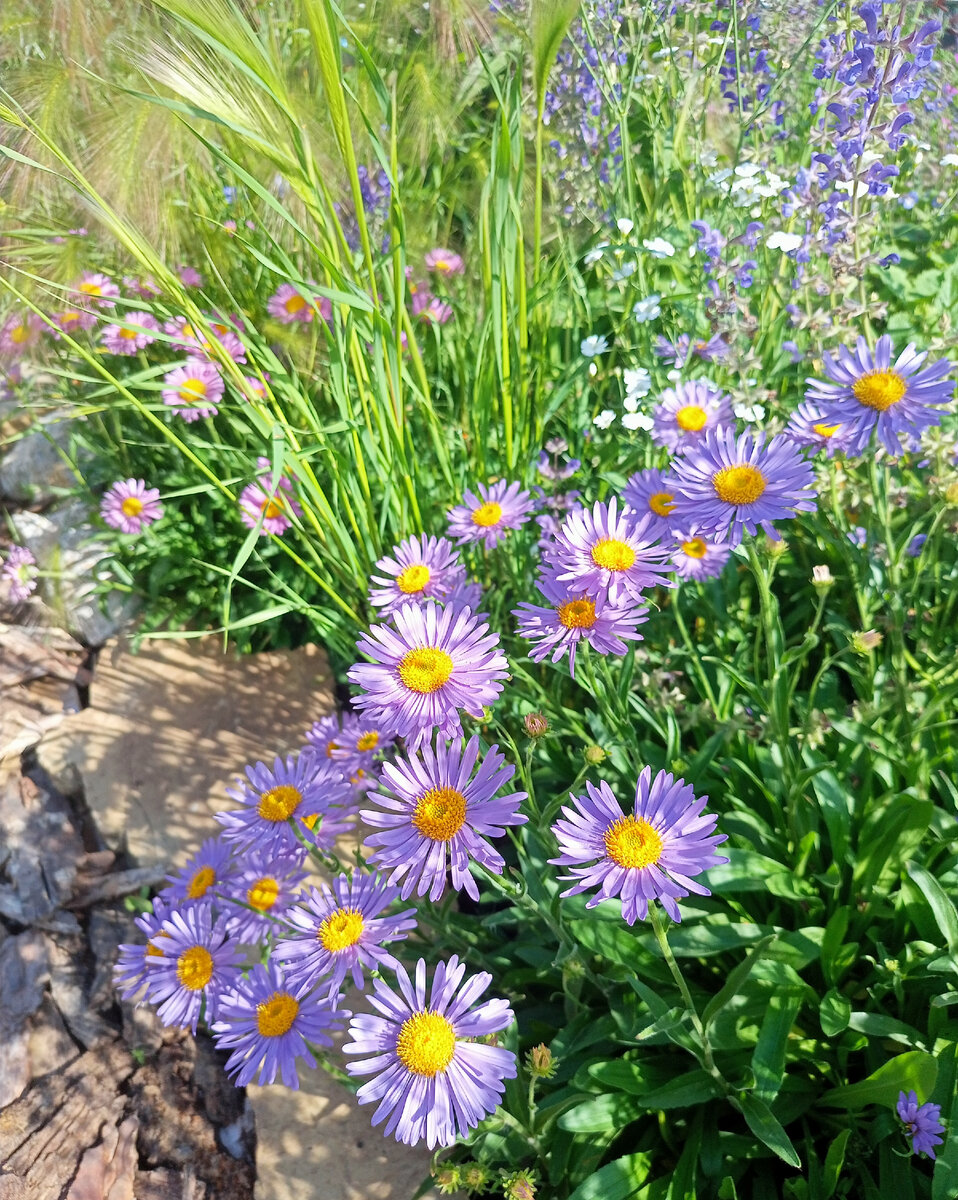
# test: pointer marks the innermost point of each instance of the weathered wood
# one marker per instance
(107, 1170)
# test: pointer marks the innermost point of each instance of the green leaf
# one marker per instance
(550, 22)
(767, 1129)
(945, 914)
(736, 978)
(638, 1077)
(834, 1161)
(914, 1071)
(601, 1114)
(616, 1180)
(768, 1059)
(944, 1183)
(833, 1012)
(879, 1026)
(695, 1087)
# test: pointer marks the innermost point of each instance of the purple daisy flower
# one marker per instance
(304, 788)
(289, 306)
(434, 805)
(340, 931)
(572, 618)
(323, 736)
(647, 495)
(359, 744)
(269, 511)
(259, 895)
(189, 276)
(488, 516)
(870, 392)
(130, 506)
(436, 312)
(18, 332)
(98, 289)
(71, 321)
(134, 334)
(608, 552)
(687, 412)
(197, 964)
(20, 569)
(696, 558)
(269, 1024)
(205, 873)
(729, 484)
(444, 262)
(193, 389)
(429, 664)
(129, 974)
(420, 568)
(808, 428)
(922, 1123)
(466, 594)
(431, 1083)
(650, 855)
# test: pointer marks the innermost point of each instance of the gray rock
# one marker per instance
(35, 468)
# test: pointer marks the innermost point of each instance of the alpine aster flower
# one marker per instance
(808, 428)
(427, 665)
(340, 931)
(647, 494)
(269, 511)
(135, 333)
(686, 413)
(196, 964)
(359, 743)
(129, 974)
(696, 558)
(193, 389)
(490, 515)
(608, 552)
(869, 393)
(269, 1024)
(323, 736)
(573, 617)
(130, 506)
(205, 873)
(71, 321)
(18, 332)
(97, 289)
(922, 1123)
(183, 335)
(420, 568)
(288, 305)
(20, 569)
(258, 894)
(728, 485)
(304, 788)
(651, 854)
(435, 804)
(444, 262)
(434, 1077)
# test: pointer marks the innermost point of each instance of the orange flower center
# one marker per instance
(341, 929)
(368, 741)
(294, 304)
(263, 894)
(879, 389)
(279, 803)
(201, 883)
(577, 614)
(696, 548)
(194, 968)
(440, 813)
(275, 1016)
(739, 485)
(425, 670)
(632, 842)
(661, 503)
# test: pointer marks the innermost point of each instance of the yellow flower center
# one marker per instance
(826, 431)
(632, 842)
(19, 334)
(426, 1043)
(201, 883)
(271, 508)
(132, 506)
(695, 548)
(152, 950)
(279, 803)
(294, 304)
(187, 332)
(879, 389)
(425, 670)
(192, 389)
(440, 813)
(341, 929)
(442, 265)
(310, 821)
(129, 334)
(691, 418)
(661, 503)
(275, 1016)
(413, 579)
(577, 614)
(91, 289)
(194, 968)
(487, 514)
(738, 485)
(368, 741)
(613, 555)
(68, 318)
(263, 894)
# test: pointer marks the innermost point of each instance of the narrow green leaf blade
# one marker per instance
(767, 1129)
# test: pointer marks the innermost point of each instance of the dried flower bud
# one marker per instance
(822, 578)
(473, 1176)
(594, 755)
(518, 1185)
(536, 724)
(865, 641)
(541, 1063)
(447, 1178)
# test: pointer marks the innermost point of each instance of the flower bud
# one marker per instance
(473, 1176)
(951, 493)
(594, 755)
(865, 641)
(518, 1185)
(822, 578)
(540, 1062)
(775, 547)
(448, 1178)
(536, 724)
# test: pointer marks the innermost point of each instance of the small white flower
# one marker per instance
(604, 419)
(708, 158)
(638, 381)
(593, 255)
(593, 370)
(637, 420)
(595, 343)
(950, 160)
(659, 247)
(624, 271)
(747, 170)
(624, 225)
(750, 413)
(647, 309)
(720, 175)
(673, 375)
(780, 240)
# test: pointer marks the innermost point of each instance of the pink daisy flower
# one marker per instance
(19, 332)
(129, 505)
(193, 389)
(98, 289)
(288, 305)
(445, 262)
(436, 312)
(257, 504)
(133, 335)
(71, 321)
(189, 276)
(21, 570)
